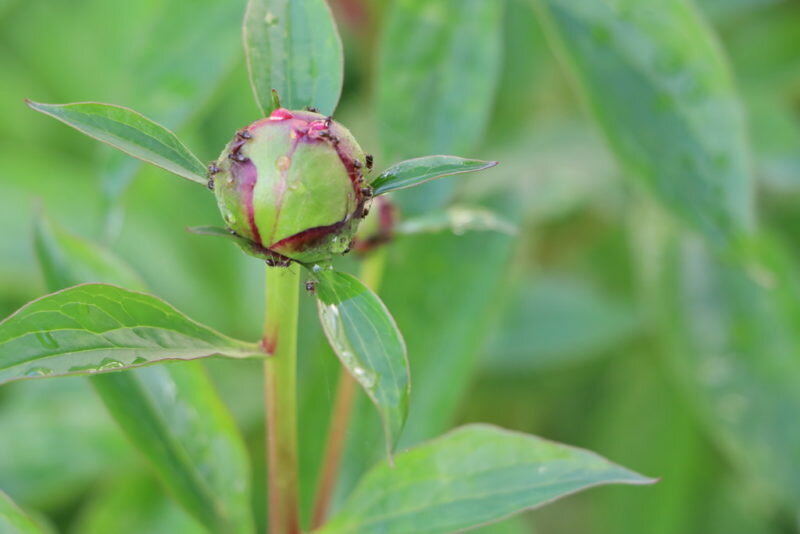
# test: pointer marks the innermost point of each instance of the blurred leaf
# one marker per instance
(734, 335)
(34, 416)
(437, 71)
(365, 337)
(417, 171)
(93, 328)
(67, 260)
(472, 475)
(661, 90)
(130, 132)
(294, 48)
(457, 219)
(174, 416)
(133, 504)
(171, 413)
(13, 520)
(554, 320)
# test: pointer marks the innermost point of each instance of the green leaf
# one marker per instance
(557, 320)
(417, 171)
(457, 219)
(656, 80)
(93, 328)
(130, 132)
(366, 339)
(437, 71)
(67, 260)
(170, 412)
(13, 520)
(249, 247)
(473, 475)
(295, 49)
(733, 333)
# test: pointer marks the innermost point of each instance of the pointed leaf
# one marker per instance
(295, 49)
(130, 132)
(170, 412)
(420, 170)
(93, 328)
(249, 247)
(473, 475)
(13, 520)
(457, 219)
(661, 89)
(366, 339)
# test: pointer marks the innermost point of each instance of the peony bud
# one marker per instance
(293, 185)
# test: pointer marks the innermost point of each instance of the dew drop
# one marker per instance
(107, 364)
(364, 377)
(270, 19)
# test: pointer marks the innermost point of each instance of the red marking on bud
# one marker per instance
(245, 174)
(281, 114)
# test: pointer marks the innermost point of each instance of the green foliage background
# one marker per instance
(574, 330)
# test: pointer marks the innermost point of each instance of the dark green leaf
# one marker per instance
(474, 475)
(437, 71)
(170, 412)
(13, 520)
(93, 328)
(660, 87)
(366, 339)
(130, 132)
(457, 219)
(417, 171)
(295, 49)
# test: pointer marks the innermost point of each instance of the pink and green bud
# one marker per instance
(293, 184)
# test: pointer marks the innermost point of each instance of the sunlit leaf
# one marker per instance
(471, 476)
(13, 520)
(417, 171)
(295, 49)
(365, 337)
(93, 328)
(660, 87)
(170, 412)
(457, 219)
(130, 132)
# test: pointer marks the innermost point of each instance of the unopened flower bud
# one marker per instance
(293, 184)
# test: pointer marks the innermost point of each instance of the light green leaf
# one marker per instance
(295, 49)
(733, 333)
(93, 328)
(366, 339)
(417, 171)
(170, 412)
(437, 72)
(130, 132)
(656, 80)
(473, 475)
(457, 219)
(13, 520)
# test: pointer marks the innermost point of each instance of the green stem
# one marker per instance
(371, 274)
(280, 384)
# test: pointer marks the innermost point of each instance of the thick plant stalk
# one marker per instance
(371, 274)
(280, 384)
